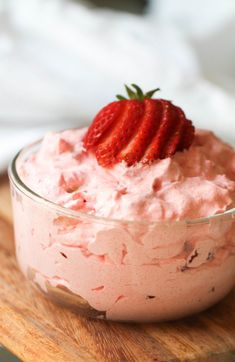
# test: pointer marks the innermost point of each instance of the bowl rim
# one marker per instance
(23, 188)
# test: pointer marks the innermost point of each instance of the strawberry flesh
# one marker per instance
(138, 131)
(106, 153)
(101, 124)
(148, 126)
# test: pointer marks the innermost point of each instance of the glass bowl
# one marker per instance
(119, 269)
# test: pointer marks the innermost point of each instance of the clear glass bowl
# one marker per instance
(121, 270)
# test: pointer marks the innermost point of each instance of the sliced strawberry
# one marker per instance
(167, 121)
(120, 134)
(175, 138)
(138, 130)
(188, 136)
(146, 131)
(102, 122)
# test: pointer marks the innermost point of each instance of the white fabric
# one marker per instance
(61, 61)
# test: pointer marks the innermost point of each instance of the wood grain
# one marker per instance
(36, 330)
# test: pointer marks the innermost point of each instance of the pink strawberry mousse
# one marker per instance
(151, 268)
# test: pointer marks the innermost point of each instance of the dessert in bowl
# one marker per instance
(131, 219)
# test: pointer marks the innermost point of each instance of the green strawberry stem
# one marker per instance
(137, 93)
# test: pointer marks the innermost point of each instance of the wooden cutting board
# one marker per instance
(37, 330)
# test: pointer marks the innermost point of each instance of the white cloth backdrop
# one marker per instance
(61, 61)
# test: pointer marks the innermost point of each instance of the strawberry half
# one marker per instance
(139, 129)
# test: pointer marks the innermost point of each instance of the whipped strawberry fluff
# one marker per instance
(195, 183)
(130, 219)
(150, 264)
